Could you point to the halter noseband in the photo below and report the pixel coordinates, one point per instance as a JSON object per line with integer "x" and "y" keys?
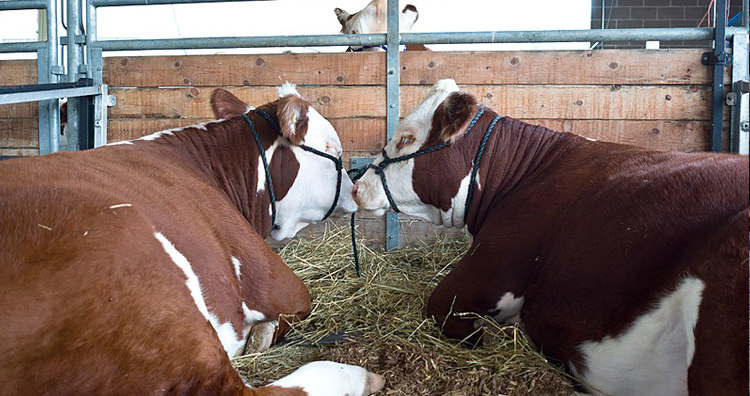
{"x": 379, "y": 169}
{"x": 338, "y": 163}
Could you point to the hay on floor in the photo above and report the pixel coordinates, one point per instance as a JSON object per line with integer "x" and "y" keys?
{"x": 378, "y": 321}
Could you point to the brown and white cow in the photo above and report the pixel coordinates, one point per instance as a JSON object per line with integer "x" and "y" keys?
{"x": 629, "y": 265}
{"x": 141, "y": 267}
{"x": 373, "y": 19}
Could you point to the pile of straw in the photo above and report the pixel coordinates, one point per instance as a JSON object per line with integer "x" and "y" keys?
{"x": 378, "y": 321}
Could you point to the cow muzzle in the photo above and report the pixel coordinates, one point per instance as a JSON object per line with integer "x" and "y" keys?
{"x": 369, "y": 195}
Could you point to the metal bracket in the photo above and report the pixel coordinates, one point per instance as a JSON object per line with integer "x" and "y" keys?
{"x": 7, "y": 96}
{"x": 360, "y": 162}
{"x": 731, "y": 99}
{"x": 80, "y": 39}
{"x": 713, "y": 59}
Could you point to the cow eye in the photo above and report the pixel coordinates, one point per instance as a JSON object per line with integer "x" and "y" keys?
{"x": 405, "y": 141}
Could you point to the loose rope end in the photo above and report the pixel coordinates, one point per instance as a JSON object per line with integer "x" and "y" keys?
{"x": 354, "y": 246}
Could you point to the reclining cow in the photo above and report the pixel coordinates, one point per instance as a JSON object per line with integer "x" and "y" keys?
{"x": 626, "y": 264}
{"x": 141, "y": 267}
{"x": 373, "y": 19}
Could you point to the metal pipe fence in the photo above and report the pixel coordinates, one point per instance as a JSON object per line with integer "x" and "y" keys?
{"x": 22, "y": 5}
{"x": 492, "y": 37}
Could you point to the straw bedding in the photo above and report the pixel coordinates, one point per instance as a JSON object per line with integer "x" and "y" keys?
{"x": 378, "y": 321}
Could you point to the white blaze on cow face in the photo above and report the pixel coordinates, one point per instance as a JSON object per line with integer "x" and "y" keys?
{"x": 655, "y": 351}
{"x": 314, "y": 189}
{"x": 411, "y": 133}
{"x": 373, "y": 19}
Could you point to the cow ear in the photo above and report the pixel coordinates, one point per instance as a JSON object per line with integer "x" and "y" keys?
{"x": 291, "y": 112}
{"x": 226, "y": 105}
{"x": 341, "y": 15}
{"x": 452, "y": 116}
{"x": 409, "y": 16}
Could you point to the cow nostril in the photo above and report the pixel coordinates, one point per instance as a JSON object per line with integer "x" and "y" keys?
{"x": 354, "y": 190}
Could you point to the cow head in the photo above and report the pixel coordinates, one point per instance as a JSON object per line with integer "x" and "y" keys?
{"x": 433, "y": 186}
{"x": 307, "y": 182}
{"x": 373, "y": 19}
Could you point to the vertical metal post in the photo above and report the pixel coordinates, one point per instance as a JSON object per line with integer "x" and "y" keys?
{"x": 393, "y": 38}
{"x": 54, "y": 70}
{"x": 91, "y": 37}
{"x": 47, "y": 110}
{"x": 738, "y": 126}
{"x": 94, "y": 58}
{"x": 720, "y": 56}
{"x": 48, "y": 69}
{"x": 75, "y": 54}
{"x": 745, "y": 11}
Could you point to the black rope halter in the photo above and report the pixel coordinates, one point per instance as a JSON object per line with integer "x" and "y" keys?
{"x": 338, "y": 163}
{"x": 379, "y": 169}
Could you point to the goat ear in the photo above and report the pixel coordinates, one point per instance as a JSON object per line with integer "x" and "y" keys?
{"x": 342, "y": 15}
{"x": 291, "y": 111}
{"x": 226, "y": 105}
{"x": 452, "y": 116}
{"x": 409, "y": 16}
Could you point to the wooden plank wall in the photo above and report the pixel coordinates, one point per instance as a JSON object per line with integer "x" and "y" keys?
{"x": 655, "y": 99}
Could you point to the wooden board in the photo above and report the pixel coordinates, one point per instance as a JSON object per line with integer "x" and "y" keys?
{"x": 19, "y": 110}
{"x": 239, "y": 70}
{"x": 356, "y": 134}
{"x": 520, "y": 101}
{"x": 19, "y": 132}
{"x": 18, "y": 152}
{"x": 641, "y": 67}
{"x": 368, "y": 135}
{"x": 17, "y": 72}
{"x": 331, "y": 102}
{"x": 646, "y": 67}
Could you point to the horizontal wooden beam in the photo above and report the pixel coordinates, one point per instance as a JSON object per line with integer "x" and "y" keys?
{"x": 600, "y": 67}
{"x": 17, "y": 72}
{"x": 356, "y": 134}
{"x": 520, "y": 101}
{"x": 19, "y": 132}
{"x": 18, "y": 152}
{"x": 366, "y": 136}
{"x": 605, "y": 67}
